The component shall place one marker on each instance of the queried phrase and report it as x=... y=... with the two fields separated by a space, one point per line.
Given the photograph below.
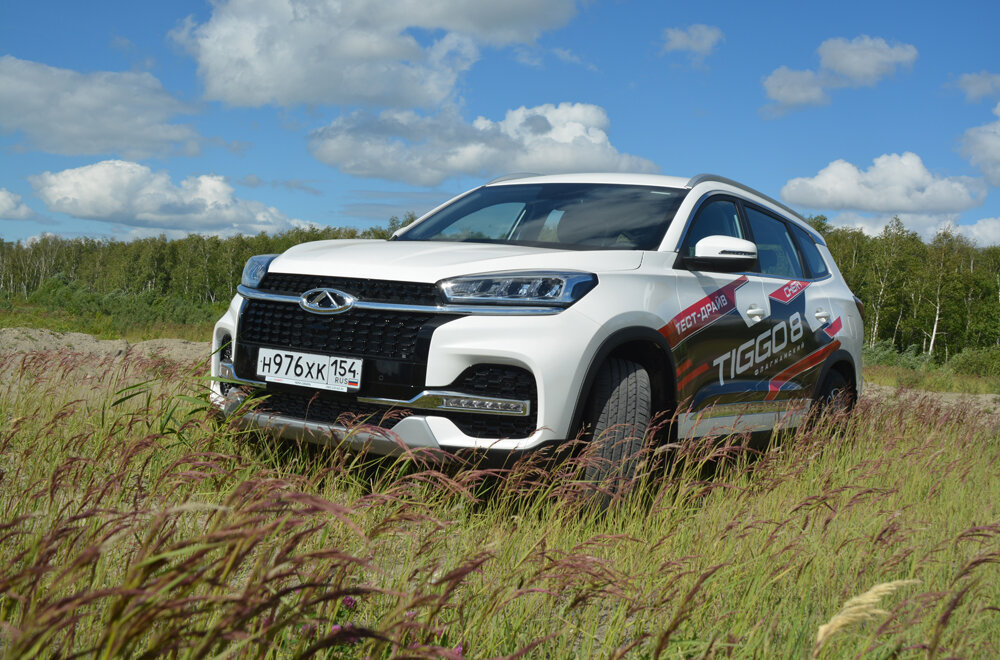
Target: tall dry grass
x=135 y=524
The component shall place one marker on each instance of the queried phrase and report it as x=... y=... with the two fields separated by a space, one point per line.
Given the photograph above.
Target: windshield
x=556 y=215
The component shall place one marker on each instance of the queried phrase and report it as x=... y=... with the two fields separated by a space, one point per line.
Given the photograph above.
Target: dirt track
x=27 y=340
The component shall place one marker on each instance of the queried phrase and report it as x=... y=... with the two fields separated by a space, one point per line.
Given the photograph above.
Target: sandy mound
x=28 y=340
x=988 y=403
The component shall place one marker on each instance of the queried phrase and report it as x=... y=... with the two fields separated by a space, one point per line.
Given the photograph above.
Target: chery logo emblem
x=326 y=301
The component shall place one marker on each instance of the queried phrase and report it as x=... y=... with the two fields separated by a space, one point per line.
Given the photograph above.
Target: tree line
x=934 y=298
x=200 y=269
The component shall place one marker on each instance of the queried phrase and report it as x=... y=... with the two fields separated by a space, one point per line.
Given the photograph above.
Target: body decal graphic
x=787 y=292
x=682 y=383
x=776 y=360
x=808 y=362
x=702 y=313
x=835 y=327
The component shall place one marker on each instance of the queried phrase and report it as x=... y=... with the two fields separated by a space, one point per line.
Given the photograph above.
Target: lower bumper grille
x=326 y=408
x=486 y=380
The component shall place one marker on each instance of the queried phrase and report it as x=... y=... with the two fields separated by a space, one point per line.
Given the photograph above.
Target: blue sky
x=124 y=119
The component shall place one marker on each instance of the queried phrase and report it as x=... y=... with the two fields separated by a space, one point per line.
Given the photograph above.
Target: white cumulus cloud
x=978 y=86
x=790 y=88
x=697 y=40
x=65 y=112
x=284 y=52
x=12 y=208
x=984 y=232
x=131 y=194
x=426 y=150
x=864 y=60
x=981 y=145
x=860 y=62
x=895 y=183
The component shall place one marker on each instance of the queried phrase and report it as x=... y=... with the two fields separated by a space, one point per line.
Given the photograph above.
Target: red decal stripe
x=806 y=363
x=788 y=291
x=834 y=327
x=691 y=376
x=684 y=366
x=703 y=313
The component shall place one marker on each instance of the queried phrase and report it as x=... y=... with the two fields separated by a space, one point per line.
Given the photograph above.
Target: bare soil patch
x=32 y=340
x=989 y=404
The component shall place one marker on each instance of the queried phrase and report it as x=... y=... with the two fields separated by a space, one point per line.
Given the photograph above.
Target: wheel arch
x=842 y=361
x=644 y=346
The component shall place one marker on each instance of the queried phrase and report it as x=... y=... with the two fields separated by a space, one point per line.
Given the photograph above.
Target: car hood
x=430 y=261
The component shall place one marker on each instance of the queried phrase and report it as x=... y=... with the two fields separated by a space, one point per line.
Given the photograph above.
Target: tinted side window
x=717 y=217
x=776 y=252
x=814 y=260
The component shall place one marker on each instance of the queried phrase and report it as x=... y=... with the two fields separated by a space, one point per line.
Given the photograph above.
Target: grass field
x=135 y=523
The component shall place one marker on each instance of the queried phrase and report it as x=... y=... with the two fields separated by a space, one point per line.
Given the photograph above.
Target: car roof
x=595 y=177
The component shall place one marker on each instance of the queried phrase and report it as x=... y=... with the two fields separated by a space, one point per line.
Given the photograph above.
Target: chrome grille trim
x=486 y=310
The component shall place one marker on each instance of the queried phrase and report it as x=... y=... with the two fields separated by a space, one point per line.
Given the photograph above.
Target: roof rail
x=701 y=178
x=511 y=177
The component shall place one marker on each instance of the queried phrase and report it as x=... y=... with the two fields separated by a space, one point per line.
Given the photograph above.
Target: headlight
x=255 y=269
x=556 y=288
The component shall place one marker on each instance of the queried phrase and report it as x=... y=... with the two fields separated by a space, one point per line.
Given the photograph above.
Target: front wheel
x=616 y=419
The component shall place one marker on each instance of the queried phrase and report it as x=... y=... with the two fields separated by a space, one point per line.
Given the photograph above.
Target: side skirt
x=742 y=418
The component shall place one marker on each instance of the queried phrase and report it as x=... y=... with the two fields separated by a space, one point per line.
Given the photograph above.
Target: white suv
x=534 y=307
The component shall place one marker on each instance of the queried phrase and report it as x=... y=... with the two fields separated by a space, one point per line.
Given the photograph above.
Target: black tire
x=616 y=419
x=837 y=395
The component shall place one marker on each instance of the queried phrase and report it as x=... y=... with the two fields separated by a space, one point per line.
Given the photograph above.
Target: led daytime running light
x=485 y=405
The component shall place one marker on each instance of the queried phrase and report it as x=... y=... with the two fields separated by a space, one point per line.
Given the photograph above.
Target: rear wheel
x=837 y=395
x=615 y=420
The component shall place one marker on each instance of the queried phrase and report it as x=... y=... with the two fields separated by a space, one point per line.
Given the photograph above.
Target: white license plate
x=340 y=374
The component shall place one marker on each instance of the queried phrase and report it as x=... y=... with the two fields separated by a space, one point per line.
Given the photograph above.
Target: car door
x=797 y=334
x=718 y=319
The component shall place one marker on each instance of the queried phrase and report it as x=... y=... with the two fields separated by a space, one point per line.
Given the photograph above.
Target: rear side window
x=814 y=260
x=717 y=217
x=776 y=252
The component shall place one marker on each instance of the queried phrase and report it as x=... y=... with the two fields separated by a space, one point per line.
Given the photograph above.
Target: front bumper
x=363 y=432
x=552 y=350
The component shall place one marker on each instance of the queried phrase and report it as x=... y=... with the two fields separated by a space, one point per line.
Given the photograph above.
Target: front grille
x=358 y=332
x=409 y=293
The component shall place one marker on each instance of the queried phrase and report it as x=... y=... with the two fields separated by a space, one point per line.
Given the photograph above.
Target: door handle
x=822 y=315
x=755 y=312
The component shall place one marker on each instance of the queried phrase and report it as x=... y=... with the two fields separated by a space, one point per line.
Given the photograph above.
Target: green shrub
x=884 y=353
x=977 y=362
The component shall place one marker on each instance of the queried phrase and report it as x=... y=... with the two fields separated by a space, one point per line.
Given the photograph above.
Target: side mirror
x=722 y=253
